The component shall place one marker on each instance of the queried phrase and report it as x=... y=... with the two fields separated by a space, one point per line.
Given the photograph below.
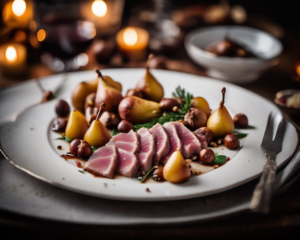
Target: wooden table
x=283 y=220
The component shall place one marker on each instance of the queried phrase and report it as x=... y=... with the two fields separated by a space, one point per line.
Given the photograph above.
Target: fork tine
x=279 y=134
x=269 y=129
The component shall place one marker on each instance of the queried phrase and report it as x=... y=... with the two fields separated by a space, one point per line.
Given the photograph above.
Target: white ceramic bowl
x=234 y=69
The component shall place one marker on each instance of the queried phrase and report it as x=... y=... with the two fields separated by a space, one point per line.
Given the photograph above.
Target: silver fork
x=262 y=194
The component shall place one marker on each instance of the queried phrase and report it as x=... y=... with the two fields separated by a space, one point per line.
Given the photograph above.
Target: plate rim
x=157 y=199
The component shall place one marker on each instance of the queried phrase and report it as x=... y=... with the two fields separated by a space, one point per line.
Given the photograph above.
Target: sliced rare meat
x=127 y=164
x=161 y=142
x=202 y=138
x=190 y=143
x=130 y=137
x=175 y=143
x=103 y=161
x=147 y=149
x=127 y=146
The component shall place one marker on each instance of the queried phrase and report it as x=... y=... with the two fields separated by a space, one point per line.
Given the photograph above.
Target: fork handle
x=263 y=191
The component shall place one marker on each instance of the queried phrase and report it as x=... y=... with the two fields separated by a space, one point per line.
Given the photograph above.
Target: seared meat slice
x=202 y=138
x=161 y=142
x=127 y=146
x=175 y=143
x=130 y=137
x=103 y=161
x=127 y=164
x=190 y=143
x=147 y=149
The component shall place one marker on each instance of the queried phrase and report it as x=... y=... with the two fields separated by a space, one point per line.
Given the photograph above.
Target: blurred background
x=43 y=37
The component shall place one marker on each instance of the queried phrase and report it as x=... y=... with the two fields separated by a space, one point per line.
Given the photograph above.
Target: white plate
x=27 y=142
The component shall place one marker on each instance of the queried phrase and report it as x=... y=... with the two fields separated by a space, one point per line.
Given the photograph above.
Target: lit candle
x=17 y=13
x=13 y=59
x=106 y=15
x=133 y=42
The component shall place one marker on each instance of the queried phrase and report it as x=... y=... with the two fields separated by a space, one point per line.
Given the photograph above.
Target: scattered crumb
x=63 y=178
x=114 y=184
x=148 y=190
x=78 y=164
x=31 y=129
x=59 y=147
x=216 y=166
x=227 y=159
x=80 y=171
x=105 y=184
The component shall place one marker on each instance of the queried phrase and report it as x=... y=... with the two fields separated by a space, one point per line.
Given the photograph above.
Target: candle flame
x=99 y=8
x=19 y=7
x=130 y=36
x=41 y=35
x=11 y=54
x=298 y=70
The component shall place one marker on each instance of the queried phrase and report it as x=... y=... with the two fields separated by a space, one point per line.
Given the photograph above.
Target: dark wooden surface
x=282 y=222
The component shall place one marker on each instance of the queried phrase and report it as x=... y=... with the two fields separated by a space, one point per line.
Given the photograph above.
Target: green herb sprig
x=240 y=135
x=146 y=175
x=63 y=137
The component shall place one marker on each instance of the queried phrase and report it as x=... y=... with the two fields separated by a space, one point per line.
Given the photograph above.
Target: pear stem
x=99 y=73
x=102 y=105
x=151 y=55
x=223 y=98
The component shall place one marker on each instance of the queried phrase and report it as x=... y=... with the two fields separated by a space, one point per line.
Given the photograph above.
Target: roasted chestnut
x=207 y=155
x=225 y=48
x=231 y=141
x=158 y=175
x=158 y=62
x=110 y=120
x=74 y=147
x=62 y=108
x=167 y=104
x=91 y=114
x=47 y=96
x=135 y=92
x=205 y=131
x=195 y=118
x=84 y=150
x=240 y=120
x=125 y=126
x=90 y=101
x=59 y=124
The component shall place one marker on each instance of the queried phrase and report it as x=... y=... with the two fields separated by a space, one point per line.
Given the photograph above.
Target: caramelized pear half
x=107 y=94
x=220 y=121
x=150 y=87
x=177 y=168
x=77 y=125
x=138 y=110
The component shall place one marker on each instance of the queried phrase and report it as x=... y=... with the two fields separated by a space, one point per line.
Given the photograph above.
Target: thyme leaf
x=219 y=160
x=240 y=135
x=146 y=175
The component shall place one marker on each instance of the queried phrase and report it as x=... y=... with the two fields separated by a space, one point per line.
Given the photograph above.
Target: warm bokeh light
x=41 y=35
x=19 y=7
x=11 y=54
x=32 y=26
x=130 y=37
x=99 y=8
x=20 y=36
x=298 y=70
